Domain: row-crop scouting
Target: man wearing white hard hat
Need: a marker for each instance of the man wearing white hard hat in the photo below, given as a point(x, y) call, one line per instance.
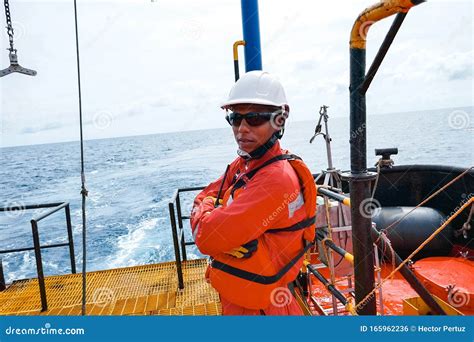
point(257, 220)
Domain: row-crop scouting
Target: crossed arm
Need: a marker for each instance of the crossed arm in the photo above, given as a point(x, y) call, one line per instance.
point(221, 229)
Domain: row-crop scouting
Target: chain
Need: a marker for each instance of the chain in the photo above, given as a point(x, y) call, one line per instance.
point(9, 26)
point(14, 66)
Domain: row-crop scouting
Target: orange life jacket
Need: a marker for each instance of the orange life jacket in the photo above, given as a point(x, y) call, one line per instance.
point(252, 282)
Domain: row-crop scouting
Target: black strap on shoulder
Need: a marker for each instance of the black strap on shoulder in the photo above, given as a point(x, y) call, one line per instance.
point(252, 173)
point(259, 152)
point(258, 278)
point(241, 182)
point(297, 226)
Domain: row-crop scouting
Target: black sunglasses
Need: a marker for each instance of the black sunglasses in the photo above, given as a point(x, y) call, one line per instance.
point(253, 119)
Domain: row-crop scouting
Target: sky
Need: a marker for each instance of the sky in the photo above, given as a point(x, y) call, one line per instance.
point(159, 66)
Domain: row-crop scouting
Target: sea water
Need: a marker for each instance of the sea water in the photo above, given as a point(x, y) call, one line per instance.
point(131, 180)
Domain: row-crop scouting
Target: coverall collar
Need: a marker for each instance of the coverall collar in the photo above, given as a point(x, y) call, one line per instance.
point(259, 152)
point(251, 163)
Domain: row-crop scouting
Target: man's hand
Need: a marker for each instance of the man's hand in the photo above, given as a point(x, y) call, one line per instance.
point(244, 251)
point(205, 207)
point(214, 200)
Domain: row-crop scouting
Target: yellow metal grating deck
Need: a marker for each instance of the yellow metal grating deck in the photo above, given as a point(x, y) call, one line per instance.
point(138, 290)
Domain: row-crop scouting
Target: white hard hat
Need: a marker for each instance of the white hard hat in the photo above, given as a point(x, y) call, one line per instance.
point(257, 87)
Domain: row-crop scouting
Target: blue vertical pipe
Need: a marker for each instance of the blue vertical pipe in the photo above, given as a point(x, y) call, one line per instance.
point(251, 28)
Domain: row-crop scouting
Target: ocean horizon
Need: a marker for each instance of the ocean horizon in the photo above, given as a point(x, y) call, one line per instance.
point(131, 179)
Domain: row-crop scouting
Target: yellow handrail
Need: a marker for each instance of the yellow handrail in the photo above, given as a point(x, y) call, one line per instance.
point(374, 13)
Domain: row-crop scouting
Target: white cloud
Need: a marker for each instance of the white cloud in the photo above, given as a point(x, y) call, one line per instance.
point(165, 65)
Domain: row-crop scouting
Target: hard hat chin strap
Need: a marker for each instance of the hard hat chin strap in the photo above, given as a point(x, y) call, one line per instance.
point(280, 133)
point(260, 151)
point(285, 113)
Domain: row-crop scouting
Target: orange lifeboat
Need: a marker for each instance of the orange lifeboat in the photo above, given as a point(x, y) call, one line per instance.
point(449, 278)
